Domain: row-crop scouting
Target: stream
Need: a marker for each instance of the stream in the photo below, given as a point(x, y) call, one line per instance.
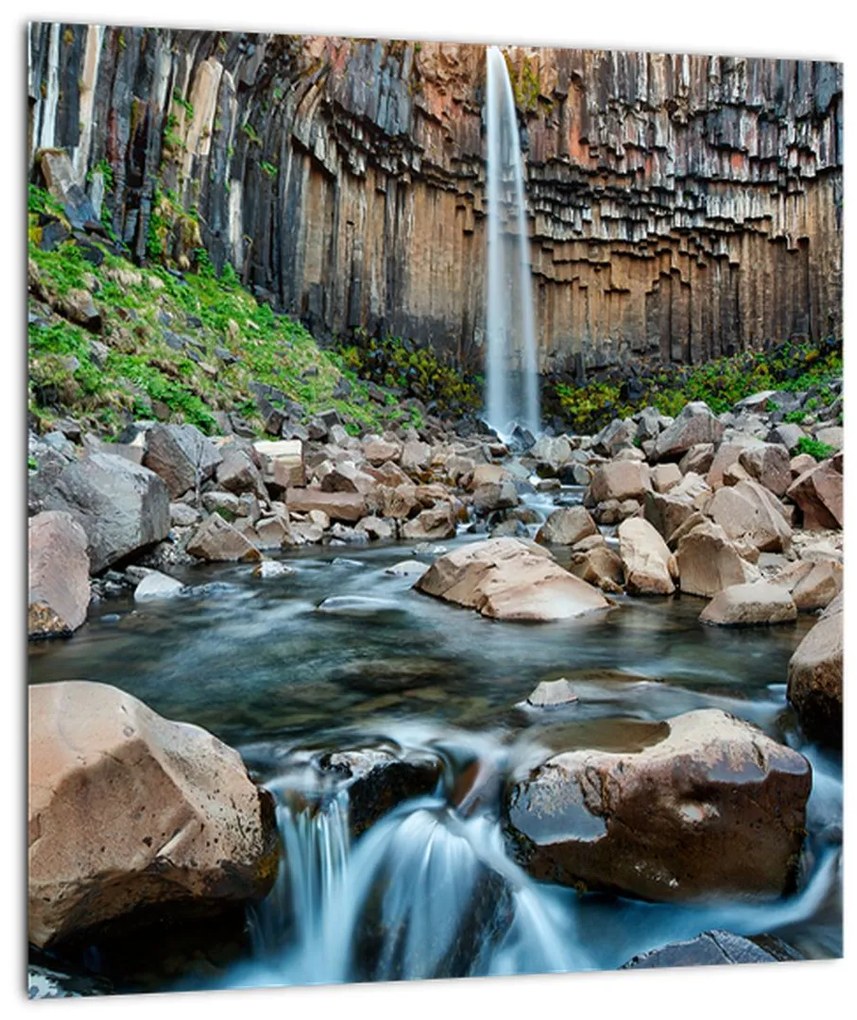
point(341, 654)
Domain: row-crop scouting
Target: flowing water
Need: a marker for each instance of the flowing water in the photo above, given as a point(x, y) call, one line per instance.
point(511, 367)
point(342, 654)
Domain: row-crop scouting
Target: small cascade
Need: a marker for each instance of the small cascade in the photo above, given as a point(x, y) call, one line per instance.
point(511, 363)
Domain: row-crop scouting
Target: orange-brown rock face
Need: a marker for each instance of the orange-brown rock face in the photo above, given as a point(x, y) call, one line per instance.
point(679, 206)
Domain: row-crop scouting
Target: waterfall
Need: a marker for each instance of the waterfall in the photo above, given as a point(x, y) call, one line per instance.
point(511, 364)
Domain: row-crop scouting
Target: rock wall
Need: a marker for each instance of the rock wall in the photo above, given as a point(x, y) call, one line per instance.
point(680, 206)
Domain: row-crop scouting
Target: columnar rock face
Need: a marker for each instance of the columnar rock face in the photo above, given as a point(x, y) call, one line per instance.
point(129, 810)
point(714, 807)
point(678, 206)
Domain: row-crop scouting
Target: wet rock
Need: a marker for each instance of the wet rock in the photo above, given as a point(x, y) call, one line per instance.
point(156, 585)
point(695, 424)
point(708, 561)
point(407, 568)
point(750, 605)
point(714, 808)
point(377, 529)
point(128, 811)
point(649, 567)
point(182, 456)
point(818, 493)
point(378, 780)
point(272, 568)
point(217, 541)
point(122, 507)
point(714, 948)
point(508, 579)
point(552, 694)
point(815, 677)
point(566, 526)
point(58, 575)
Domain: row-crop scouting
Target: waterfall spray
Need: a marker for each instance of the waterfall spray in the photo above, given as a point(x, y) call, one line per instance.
point(511, 369)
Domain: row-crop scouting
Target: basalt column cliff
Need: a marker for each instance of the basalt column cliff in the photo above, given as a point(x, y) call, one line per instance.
point(679, 206)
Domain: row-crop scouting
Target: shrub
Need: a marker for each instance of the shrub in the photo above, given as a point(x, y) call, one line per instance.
point(815, 448)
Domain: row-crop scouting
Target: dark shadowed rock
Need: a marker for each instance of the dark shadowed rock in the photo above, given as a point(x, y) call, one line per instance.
point(815, 676)
point(122, 507)
point(129, 811)
point(713, 948)
point(58, 568)
point(713, 808)
point(181, 455)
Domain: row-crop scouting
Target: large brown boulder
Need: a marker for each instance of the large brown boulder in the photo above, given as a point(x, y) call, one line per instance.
point(815, 677)
point(123, 507)
point(818, 493)
point(433, 523)
point(509, 579)
point(339, 506)
point(620, 480)
point(217, 541)
point(58, 569)
point(567, 526)
point(708, 562)
point(648, 564)
point(747, 511)
point(695, 424)
point(768, 464)
point(748, 605)
point(713, 808)
point(128, 811)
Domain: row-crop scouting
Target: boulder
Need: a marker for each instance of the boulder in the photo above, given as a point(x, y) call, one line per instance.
point(648, 565)
point(666, 512)
point(599, 566)
point(129, 811)
point(831, 435)
point(550, 453)
point(800, 463)
point(183, 516)
point(282, 463)
point(818, 493)
point(713, 807)
point(750, 605)
point(619, 480)
point(237, 472)
point(566, 526)
point(665, 476)
point(786, 434)
point(271, 532)
point(217, 541)
point(695, 424)
point(768, 464)
point(748, 511)
point(490, 496)
point(416, 458)
point(714, 948)
point(122, 507)
point(728, 453)
point(58, 575)
point(815, 677)
point(698, 459)
point(508, 579)
point(339, 506)
point(156, 585)
point(708, 561)
point(552, 694)
point(819, 586)
point(181, 455)
point(378, 449)
point(431, 524)
point(619, 434)
point(377, 529)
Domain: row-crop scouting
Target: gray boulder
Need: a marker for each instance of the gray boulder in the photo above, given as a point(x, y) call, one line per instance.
point(181, 455)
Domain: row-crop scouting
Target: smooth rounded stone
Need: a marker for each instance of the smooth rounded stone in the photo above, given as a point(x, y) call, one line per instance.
point(217, 541)
point(272, 568)
point(748, 511)
point(567, 526)
point(695, 424)
point(599, 566)
point(122, 507)
point(552, 694)
point(618, 480)
point(714, 948)
point(181, 455)
point(407, 568)
point(649, 567)
point(431, 524)
point(819, 586)
point(184, 516)
point(759, 603)
point(508, 579)
point(378, 780)
point(818, 494)
point(815, 677)
point(664, 476)
point(711, 808)
point(768, 464)
point(156, 585)
point(357, 605)
point(58, 575)
point(708, 561)
point(129, 811)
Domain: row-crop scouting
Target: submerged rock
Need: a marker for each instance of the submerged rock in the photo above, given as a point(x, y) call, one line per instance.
point(128, 810)
point(713, 808)
point(716, 947)
point(508, 579)
point(552, 694)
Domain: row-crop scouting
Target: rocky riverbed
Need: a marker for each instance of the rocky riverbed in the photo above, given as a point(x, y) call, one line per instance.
point(609, 664)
